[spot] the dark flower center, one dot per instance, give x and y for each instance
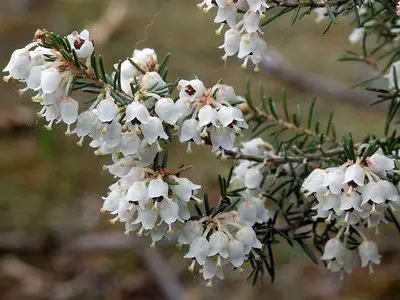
(78, 43)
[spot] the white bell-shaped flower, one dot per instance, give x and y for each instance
(152, 130)
(50, 80)
(152, 81)
(219, 242)
(183, 108)
(81, 43)
(147, 218)
(190, 132)
(146, 153)
(191, 230)
(145, 58)
(344, 262)
(52, 112)
(125, 211)
(248, 45)
(51, 98)
(85, 123)
(355, 173)
(251, 21)
(207, 116)
(225, 93)
(107, 110)
(254, 147)
(333, 250)
(120, 168)
(112, 137)
(350, 201)
(236, 253)
(210, 270)
(369, 253)
(222, 139)
(199, 249)
(111, 202)
(158, 234)
(231, 42)
(262, 214)
(228, 115)
(131, 227)
(328, 202)
(191, 90)
(314, 182)
(184, 212)
(226, 14)
(333, 179)
(158, 188)
(256, 5)
(19, 64)
(248, 237)
(379, 163)
(130, 144)
(378, 192)
(128, 71)
(247, 212)
(184, 190)
(253, 178)
(166, 111)
(137, 113)
(137, 194)
(34, 78)
(239, 171)
(169, 211)
(69, 110)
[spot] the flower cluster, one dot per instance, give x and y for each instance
(45, 72)
(130, 124)
(356, 193)
(248, 173)
(208, 115)
(243, 36)
(223, 239)
(340, 258)
(147, 201)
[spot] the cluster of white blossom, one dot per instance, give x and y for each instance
(357, 192)
(223, 239)
(199, 115)
(340, 258)
(354, 194)
(147, 201)
(243, 36)
(150, 201)
(248, 173)
(208, 115)
(32, 65)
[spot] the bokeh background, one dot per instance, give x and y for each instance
(54, 243)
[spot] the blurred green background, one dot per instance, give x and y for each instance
(50, 189)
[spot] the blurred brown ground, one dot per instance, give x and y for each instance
(50, 189)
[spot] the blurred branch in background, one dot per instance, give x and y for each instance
(15, 119)
(114, 15)
(34, 282)
(278, 68)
